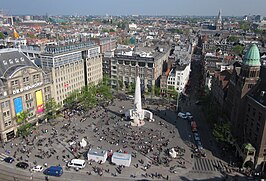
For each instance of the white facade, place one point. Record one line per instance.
(97, 155)
(121, 159)
(178, 77)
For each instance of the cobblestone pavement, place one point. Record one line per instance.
(56, 142)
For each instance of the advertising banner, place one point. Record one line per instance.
(18, 105)
(39, 101)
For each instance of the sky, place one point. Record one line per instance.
(134, 7)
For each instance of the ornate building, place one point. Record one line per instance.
(24, 89)
(244, 119)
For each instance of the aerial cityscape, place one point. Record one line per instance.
(122, 90)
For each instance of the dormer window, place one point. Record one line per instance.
(22, 59)
(10, 61)
(16, 60)
(4, 62)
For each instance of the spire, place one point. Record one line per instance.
(219, 20)
(220, 15)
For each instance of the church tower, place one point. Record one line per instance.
(219, 21)
(243, 79)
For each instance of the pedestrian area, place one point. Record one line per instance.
(59, 141)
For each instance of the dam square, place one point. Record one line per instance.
(132, 93)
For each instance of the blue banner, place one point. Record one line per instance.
(18, 105)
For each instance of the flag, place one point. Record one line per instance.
(15, 33)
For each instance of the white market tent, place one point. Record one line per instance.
(97, 155)
(83, 143)
(121, 159)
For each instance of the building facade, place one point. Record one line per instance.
(245, 111)
(106, 44)
(178, 78)
(24, 88)
(126, 67)
(72, 67)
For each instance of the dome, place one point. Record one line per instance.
(252, 56)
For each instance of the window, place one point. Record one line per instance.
(25, 79)
(15, 82)
(36, 77)
(6, 103)
(29, 105)
(3, 105)
(28, 96)
(6, 114)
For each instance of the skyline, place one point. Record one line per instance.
(136, 7)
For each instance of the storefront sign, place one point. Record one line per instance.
(27, 88)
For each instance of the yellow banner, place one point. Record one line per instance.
(39, 101)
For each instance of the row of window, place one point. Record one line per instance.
(12, 61)
(60, 79)
(36, 78)
(66, 71)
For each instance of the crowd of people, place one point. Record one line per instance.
(57, 141)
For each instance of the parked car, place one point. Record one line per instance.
(22, 165)
(37, 168)
(54, 171)
(199, 145)
(188, 114)
(9, 159)
(182, 115)
(196, 136)
(77, 163)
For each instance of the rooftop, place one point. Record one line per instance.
(12, 60)
(252, 56)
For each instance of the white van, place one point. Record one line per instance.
(77, 163)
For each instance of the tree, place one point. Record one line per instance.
(105, 30)
(131, 87)
(22, 117)
(238, 49)
(31, 35)
(105, 91)
(233, 39)
(25, 129)
(2, 36)
(72, 100)
(51, 108)
(111, 30)
(222, 131)
(244, 25)
(122, 25)
(88, 96)
(120, 84)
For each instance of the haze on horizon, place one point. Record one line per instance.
(135, 7)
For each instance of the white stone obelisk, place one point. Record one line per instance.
(137, 112)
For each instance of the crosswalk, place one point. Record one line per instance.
(208, 165)
(2, 156)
